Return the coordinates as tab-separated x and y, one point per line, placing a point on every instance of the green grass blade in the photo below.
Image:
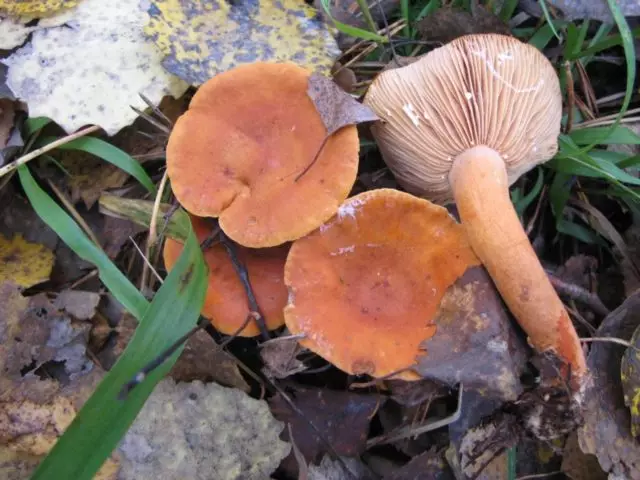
366	13
542	37
609	42
522	203
352	31
140	212
33	124
104	419
630	60
71	234
508	8
428	9
108	153
619	136
547	16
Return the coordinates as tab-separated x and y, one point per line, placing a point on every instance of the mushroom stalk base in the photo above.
481	191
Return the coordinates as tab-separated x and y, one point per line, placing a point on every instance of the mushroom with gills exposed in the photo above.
226	304
462	124
365	288
238	152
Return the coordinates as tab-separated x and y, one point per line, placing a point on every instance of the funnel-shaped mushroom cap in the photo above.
364	288
237	152
490	90
226	304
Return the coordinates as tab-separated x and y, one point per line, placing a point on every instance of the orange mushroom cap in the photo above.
226	305
237	152
364	288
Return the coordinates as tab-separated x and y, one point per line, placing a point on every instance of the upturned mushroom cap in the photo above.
237	152
489	89
365	287
226	305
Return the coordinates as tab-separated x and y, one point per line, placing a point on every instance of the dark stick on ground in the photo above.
159	360
243	274
315	158
579	294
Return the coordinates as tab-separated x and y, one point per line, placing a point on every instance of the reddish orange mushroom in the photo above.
463	123
236	154
226	304
365	287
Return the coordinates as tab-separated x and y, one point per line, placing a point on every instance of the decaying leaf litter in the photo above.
347	329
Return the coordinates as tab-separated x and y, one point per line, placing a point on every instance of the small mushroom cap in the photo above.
489	89
365	286
226	305
236	153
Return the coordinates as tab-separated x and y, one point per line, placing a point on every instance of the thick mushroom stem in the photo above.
481	191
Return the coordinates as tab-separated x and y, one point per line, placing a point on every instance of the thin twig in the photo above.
580	294
618	341
243	274
146	260
156	109
74	213
315	158
47	148
376	380
413	431
152	238
540	475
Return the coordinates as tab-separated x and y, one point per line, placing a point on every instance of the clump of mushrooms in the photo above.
461	124
226	305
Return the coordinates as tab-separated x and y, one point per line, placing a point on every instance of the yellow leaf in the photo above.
202	38
38	8
24	263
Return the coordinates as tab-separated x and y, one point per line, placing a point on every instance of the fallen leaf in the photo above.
34	8
82	305
578	465
475	342
175	226
24	263
595	9
481	444
32	333
7	117
279	357
196	430
336	107
90	176
447	24
342	417
203	359
430	465
115	233
118	63
13	33
330	469
606	432
411	394
201	39
630	369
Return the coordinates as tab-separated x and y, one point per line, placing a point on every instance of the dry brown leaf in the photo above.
606	432
336	107
578	465
7	116
90	176
630	370
447	24
33	333
82	305
342	417
476	343
203	359
430	465
23	262
279	357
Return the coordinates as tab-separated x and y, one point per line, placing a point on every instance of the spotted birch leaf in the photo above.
202	38
92	69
